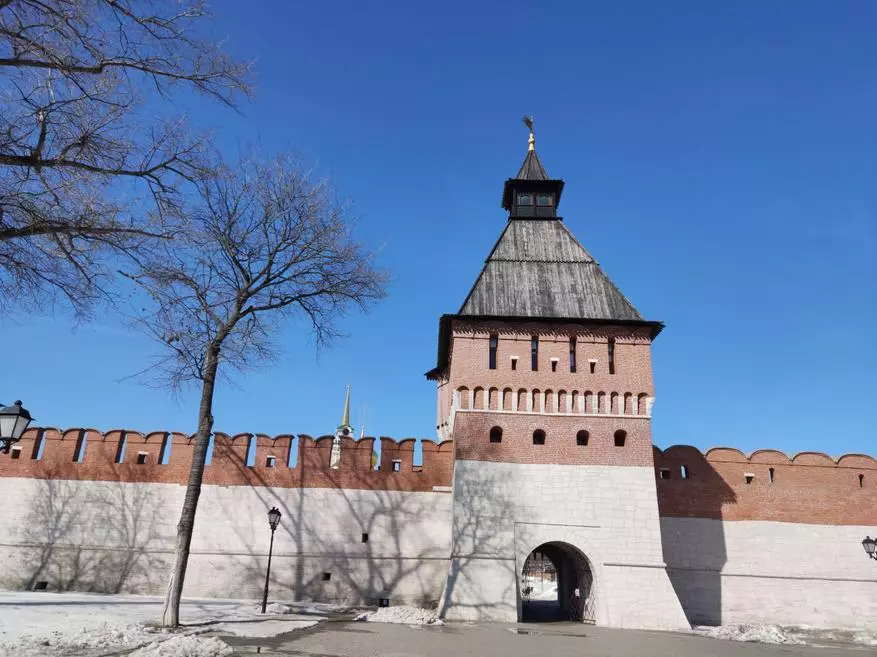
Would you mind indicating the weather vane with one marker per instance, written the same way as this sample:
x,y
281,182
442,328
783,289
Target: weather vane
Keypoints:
x,y
528,121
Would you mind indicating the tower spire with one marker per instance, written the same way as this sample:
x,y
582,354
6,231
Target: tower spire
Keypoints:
x,y
345,419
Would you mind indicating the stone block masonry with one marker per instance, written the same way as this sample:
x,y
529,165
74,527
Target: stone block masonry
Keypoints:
x,y
504,511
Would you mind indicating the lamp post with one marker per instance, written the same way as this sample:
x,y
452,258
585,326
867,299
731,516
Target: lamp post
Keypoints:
x,y
13,421
870,545
273,520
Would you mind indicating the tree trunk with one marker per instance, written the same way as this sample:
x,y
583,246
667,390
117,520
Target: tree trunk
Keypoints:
x,y
171,612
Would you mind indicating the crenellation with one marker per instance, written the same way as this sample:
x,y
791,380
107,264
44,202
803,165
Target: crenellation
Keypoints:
x,y
809,488
228,465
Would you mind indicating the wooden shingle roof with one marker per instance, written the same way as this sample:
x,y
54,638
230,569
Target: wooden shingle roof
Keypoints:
x,y
539,269
532,168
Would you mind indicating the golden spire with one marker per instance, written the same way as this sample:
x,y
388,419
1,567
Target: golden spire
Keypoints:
x,y
345,420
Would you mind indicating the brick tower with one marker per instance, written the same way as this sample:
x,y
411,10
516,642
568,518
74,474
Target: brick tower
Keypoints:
x,y
545,385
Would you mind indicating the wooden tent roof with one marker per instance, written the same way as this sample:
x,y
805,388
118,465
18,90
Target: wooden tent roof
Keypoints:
x,y
538,269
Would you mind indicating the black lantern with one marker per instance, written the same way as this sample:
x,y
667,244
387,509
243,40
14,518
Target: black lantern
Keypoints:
x,y
13,421
870,545
273,520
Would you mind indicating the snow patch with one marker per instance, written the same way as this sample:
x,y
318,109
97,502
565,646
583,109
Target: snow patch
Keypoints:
x,y
185,646
402,614
753,633
62,641
547,594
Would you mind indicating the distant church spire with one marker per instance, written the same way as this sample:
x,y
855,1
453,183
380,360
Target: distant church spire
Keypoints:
x,y
345,418
344,430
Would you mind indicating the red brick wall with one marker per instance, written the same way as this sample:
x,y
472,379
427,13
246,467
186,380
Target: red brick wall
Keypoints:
x,y
809,488
472,439
228,465
470,348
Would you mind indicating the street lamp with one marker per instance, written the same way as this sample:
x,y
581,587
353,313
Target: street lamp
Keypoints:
x,y
870,544
13,421
273,520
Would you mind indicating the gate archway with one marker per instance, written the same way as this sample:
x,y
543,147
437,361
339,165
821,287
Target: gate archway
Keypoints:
x,y
557,584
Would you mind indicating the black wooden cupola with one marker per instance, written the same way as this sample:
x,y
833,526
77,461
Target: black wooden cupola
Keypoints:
x,y
532,194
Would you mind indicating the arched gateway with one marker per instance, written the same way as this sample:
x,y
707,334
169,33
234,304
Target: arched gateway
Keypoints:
x,y
557,584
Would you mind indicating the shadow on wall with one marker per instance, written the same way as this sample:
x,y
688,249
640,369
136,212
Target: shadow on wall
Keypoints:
x,y
89,536
374,542
688,486
482,551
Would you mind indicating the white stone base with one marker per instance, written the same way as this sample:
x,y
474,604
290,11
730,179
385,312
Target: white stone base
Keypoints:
x,y
608,515
771,572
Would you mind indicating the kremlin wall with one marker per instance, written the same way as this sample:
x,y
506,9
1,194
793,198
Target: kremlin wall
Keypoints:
x,y
745,539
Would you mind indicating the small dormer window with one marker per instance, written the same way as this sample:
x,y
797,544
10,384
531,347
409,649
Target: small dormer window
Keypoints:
x,y
545,199
525,199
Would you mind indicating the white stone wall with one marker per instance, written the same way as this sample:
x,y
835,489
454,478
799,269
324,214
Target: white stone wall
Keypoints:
x,y
119,536
503,511
771,572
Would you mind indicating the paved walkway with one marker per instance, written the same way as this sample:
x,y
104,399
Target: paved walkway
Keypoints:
x,y
345,639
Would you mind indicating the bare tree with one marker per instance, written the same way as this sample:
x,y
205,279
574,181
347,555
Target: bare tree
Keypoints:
x,y
266,243
84,143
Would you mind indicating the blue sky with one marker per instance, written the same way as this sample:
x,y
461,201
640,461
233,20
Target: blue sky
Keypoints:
x,y
720,163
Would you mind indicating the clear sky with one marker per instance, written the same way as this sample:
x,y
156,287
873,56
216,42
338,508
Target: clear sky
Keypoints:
x,y
720,162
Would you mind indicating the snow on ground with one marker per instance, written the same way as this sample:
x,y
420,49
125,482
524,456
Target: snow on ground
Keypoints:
x,y
262,629
401,614
547,594
756,633
790,635
53,624
814,635
185,646
64,639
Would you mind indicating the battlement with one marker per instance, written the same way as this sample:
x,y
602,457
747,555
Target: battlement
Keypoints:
x,y
726,484
284,461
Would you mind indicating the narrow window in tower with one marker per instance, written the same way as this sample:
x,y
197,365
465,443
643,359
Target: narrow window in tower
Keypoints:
x,y
770,474
620,438
496,435
572,355
514,362
494,340
611,355
534,353
683,471
861,481
665,473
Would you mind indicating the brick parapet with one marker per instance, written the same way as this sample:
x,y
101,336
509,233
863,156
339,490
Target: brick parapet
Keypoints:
x,y
767,485
49,453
